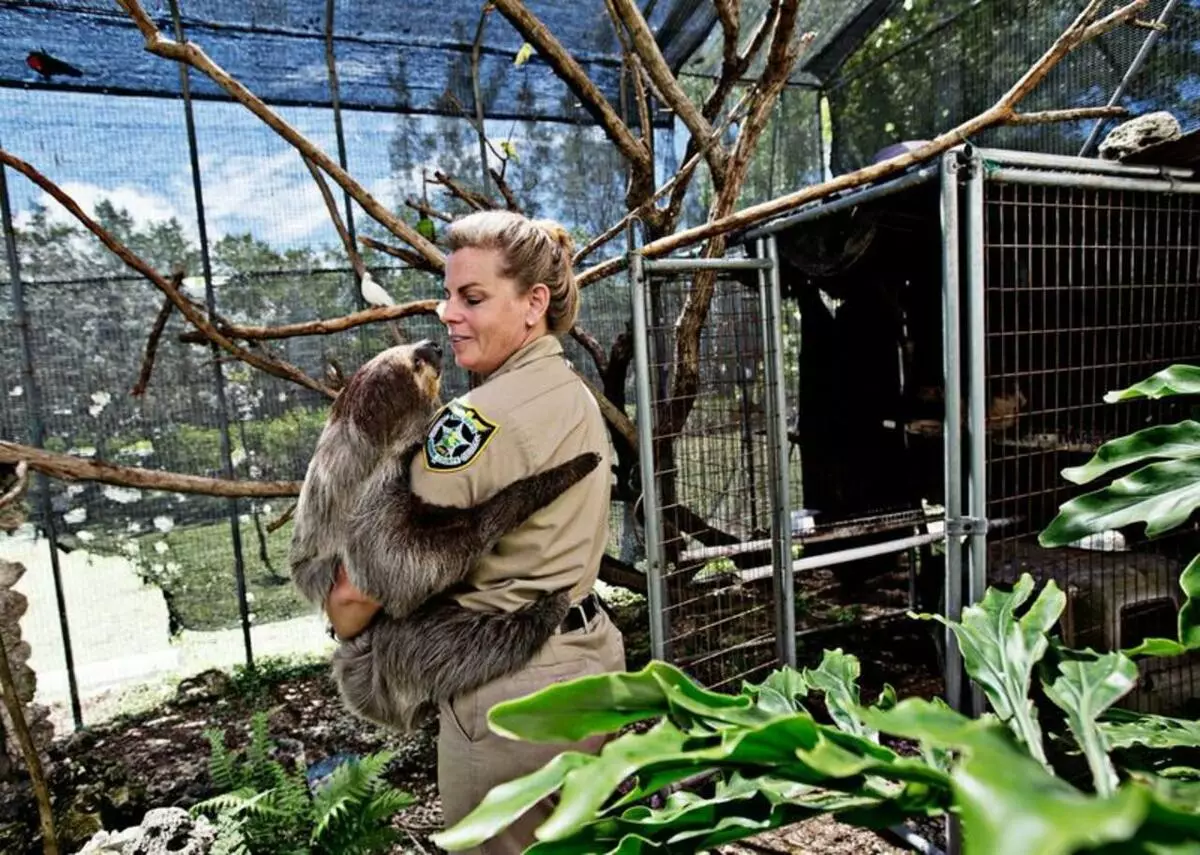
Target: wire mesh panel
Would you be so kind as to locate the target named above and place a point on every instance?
(715, 465)
(1087, 291)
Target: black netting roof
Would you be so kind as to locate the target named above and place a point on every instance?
(403, 56)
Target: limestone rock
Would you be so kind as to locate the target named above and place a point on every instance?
(1139, 134)
(164, 831)
(10, 573)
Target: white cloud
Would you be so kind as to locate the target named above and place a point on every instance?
(143, 206)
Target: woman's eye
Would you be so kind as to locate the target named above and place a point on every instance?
(473, 301)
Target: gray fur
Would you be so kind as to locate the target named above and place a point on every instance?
(396, 672)
(357, 508)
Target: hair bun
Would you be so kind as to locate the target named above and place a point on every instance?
(559, 235)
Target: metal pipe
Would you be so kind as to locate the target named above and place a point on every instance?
(1130, 73)
(951, 424)
(857, 553)
(1068, 163)
(824, 208)
(645, 427)
(37, 431)
(781, 523)
(976, 395)
(210, 301)
(690, 265)
(1098, 182)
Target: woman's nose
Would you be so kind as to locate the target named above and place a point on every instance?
(446, 312)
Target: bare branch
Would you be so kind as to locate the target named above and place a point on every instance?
(271, 365)
(571, 73)
(407, 255)
(374, 315)
(331, 205)
(588, 342)
(665, 82)
(427, 210)
(69, 468)
(612, 414)
(14, 493)
(510, 198)
(189, 54)
(476, 200)
(1071, 115)
(156, 331)
(478, 95)
(279, 522)
(1126, 14)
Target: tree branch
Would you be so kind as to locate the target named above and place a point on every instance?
(417, 262)
(271, 365)
(189, 54)
(588, 342)
(1071, 115)
(427, 210)
(571, 73)
(476, 200)
(328, 326)
(156, 331)
(14, 493)
(331, 205)
(510, 198)
(69, 468)
(668, 87)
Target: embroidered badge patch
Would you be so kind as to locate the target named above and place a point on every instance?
(456, 438)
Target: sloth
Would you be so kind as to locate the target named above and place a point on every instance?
(357, 509)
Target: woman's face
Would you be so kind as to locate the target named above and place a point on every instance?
(485, 317)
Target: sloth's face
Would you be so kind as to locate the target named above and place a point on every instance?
(397, 387)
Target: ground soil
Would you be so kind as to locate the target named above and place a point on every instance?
(109, 775)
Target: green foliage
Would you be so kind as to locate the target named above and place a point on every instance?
(261, 808)
(269, 671)
(1163, 493)
(775, 763)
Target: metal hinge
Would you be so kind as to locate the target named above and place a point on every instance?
(958, 526)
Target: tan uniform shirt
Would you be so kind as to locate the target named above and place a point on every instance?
(532, 413)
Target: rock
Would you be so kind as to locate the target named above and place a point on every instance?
(205, 686)
(164, 831)
(13, 605)
(10, 573)
(1139, 134)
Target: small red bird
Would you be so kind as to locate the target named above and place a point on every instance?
(48, 66)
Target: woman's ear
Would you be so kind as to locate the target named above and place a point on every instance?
(539, 300)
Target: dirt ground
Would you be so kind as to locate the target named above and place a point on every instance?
(107, 776)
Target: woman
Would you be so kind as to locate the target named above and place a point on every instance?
(509, 295)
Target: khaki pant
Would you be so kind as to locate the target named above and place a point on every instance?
(472, 759)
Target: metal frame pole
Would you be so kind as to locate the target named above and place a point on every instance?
(33, 408)
(951, 430)
(210, 301)
(645, 425)
(781, 518)
(335, 101)
(976, 395)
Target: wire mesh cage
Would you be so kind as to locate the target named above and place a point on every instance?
(713, 478)
(1088, 290)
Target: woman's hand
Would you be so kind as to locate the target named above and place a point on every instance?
(349, 609)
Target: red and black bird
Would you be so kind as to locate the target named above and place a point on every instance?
(48, 66)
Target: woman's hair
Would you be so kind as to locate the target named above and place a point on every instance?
(532, 251)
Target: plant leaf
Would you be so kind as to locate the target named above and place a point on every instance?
(1008, 802)
(523, 54)
(1175, 442)
(1084, 690)
(1125, 729)
(1175, 380)
(605, 703)
(1162, 495)
(837, 678)
(1000, 652)
(1189, 620)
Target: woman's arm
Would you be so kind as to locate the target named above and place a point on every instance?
(349, 609)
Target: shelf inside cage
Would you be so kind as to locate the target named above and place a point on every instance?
(1033, 441)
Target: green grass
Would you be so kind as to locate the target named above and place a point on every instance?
(195, 568)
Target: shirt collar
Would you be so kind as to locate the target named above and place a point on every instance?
(542, 347)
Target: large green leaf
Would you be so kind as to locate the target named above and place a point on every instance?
(1173, 442)
(1008, 802)
(837, 678)
(1126, 728)
(1000, 651)
(1084, 690)
(1175, 380)
(1162, 495)
(1189, 620)
(604, 703)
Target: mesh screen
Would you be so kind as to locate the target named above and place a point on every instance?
(1088, 291)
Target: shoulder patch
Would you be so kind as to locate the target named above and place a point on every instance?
(456, 438)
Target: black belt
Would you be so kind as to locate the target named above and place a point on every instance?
(581, 614)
